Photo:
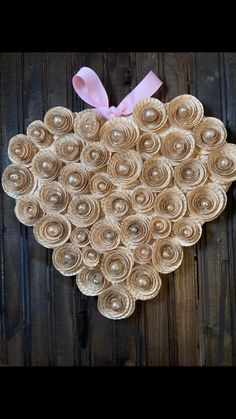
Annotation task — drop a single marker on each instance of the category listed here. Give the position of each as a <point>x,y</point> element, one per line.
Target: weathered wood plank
<point>125,331</point>
<point>152,315</point>
<point>33,109</point>
<point>12,231</point>
<point>212,250</point>
<point>62,286</point>
<point>229,106</point>
<point>101,329</point>
<point>182,297</point>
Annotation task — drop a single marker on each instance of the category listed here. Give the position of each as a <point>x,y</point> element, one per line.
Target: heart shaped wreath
<point>117,192</point>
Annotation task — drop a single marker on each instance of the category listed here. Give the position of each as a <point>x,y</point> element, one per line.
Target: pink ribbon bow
<point>90,88</point>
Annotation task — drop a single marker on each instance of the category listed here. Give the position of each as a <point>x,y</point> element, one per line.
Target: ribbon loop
<point>89,87</point>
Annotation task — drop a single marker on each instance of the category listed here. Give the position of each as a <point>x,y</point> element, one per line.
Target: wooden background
<point>44,319</point>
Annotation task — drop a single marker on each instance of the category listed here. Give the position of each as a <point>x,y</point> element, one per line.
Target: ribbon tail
<point>146,88</point>
<point>89,87</point>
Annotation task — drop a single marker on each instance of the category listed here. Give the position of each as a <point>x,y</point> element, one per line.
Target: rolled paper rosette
<point>83,210</point>
<point>53,197</point>
<point>222,163</point>
<point>80,236</point>
<point>177,145</point>
<point>144,283</point>
<point>124,167</point>
<point>185,111</point>
<point>190,174</point>
<point>156,173</point>
<point>143,253</point>
<point>38,133</point>
<point>160,227</point>
<point>91,281</point>
<point>210,134</point>
<point>27,210</point>
<point>104,235</point>
<point>167,255</point>
<point>206,202</point>
<point>117,264</point>
<point>134,230</point>
<point>21,150</point>
<point>94,156</point>
<point>87,124</point>
<point>116,205</point>
<point>52,230</point>
<point>119,134</point>
<point>150,114</point>
<point>142,199</point>
<point>74,177</point>
<point>68,147</point>
<point>90,256</point>
<point>67,259</point>
<point>45,165</point>
<point>171,204</point>
<point>59,120</point>
<point>149,143</point>
<point>100,185</point>
<point>187,230</point>
<point>116,303</point>
<point>18,180</point>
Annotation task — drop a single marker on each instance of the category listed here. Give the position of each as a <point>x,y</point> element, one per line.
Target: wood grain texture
<point>44,319</point>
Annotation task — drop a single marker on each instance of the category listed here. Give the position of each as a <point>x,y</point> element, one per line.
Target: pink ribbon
<point>89,87</point>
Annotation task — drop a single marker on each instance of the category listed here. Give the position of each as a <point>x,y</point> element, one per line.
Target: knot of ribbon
<point>89,87</point>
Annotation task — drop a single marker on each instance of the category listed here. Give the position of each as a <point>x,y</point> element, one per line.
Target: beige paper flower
<point>68,147</point>
<point>167,255</point>
<point>45,165</point>
<point>94,156</point>
<point>116,205</point>
<point>83,210</point>
<point>52,230</point>
<point>144,283</point>
<point>222,163</point>
<point>100,185</point>
<point>160,227</point>
<point>116,303</point>
<point>124,168</point>
<point>80,236</point>
<point>21,150</point>
<point>206,202</point>
<point>90,257</point>
<point>87,124</point>
<point>135,230</point>
<point>177,145</point>
<point>59,120</point>
<point>38,133</point>
<point>27,210</point>
<point>17,180</point>
<point>185,111</point>
<point>142,199</point>
<point>143,253</point>
<point>104,235</point>
<point>171,204</point>
<point>190,174</point>
<point>91,281</point>
<point>187,230</point>
<point>210,134</point>
<point>150,114</point>
<point>156,173</point>
<point>117,264</point>
<point>67,259</point>
<point>53,197</point>
<point>119,134</point>
<point>149,143</point>
<point>74,177</point>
